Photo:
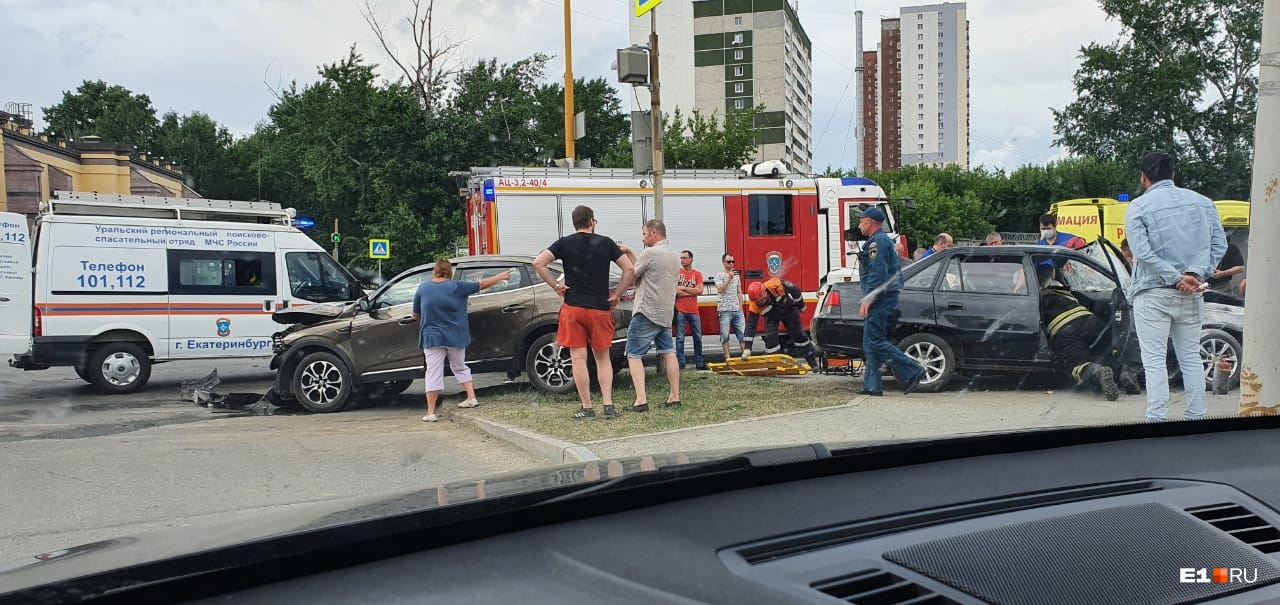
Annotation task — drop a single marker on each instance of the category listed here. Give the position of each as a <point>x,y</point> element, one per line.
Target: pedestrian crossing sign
<point>380,249</point>
<point>644,6</point>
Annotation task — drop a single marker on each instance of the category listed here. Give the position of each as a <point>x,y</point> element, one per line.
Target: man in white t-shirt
<point>729,308</point>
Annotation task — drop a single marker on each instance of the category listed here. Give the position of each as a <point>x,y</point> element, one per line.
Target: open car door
<point>1124,338</point>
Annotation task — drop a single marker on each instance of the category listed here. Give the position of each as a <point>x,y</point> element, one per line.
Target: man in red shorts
<point>586,317</point>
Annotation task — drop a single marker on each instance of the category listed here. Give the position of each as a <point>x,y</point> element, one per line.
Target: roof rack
<point>142,206</point>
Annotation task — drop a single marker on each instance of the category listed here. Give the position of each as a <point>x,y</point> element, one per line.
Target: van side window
<point>315,277</point>
<point>221,272</point>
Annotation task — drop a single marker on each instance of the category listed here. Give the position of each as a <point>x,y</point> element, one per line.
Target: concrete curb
<point>556,451</point>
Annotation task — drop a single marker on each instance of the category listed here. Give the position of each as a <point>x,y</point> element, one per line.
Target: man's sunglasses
<point>730,262</point>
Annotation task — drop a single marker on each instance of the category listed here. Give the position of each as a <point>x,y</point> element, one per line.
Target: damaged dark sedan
<point>976,309</point>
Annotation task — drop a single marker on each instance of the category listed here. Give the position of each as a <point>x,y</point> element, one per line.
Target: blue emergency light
<point>1124,197</point>
<point>304,223</point>
<point>488,190</point>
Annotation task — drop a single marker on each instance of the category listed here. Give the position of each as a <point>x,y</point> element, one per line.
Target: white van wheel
<point>119,367</point>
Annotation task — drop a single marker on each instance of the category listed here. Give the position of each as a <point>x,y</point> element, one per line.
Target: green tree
<point>106,110</point>
<point>367,154</point>
<point>606,125</point>
<point>937,211</point>
<point>201,146</point>
<point>1182,79</point>
<point>492,113</point>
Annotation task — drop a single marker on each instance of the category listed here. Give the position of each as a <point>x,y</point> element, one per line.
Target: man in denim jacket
<point>1167,228</point>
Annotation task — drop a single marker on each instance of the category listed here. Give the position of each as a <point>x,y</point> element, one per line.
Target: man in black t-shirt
<point>1232,264</point>
<point>586,317</point>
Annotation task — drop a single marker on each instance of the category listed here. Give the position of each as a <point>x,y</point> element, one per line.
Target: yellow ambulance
<point>1089,218</point>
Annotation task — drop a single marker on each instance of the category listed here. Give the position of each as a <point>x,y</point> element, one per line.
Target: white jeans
<point>435,366</point>
<point>1159,315</point>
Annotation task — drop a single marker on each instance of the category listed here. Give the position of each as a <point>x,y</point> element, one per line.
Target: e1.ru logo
<point>1217,575</point>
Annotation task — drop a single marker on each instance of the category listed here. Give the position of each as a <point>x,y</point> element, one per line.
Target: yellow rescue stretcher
<point>761,365</point>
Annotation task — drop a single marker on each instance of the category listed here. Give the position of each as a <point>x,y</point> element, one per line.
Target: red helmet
<point>755,291</point>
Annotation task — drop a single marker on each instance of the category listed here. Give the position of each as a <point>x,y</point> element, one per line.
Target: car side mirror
<point>909,203</point>
<point>363,303</point>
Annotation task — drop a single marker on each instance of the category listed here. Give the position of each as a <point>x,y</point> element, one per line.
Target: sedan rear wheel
<point>935,355</point>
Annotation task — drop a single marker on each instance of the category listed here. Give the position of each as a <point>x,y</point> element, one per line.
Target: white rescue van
<point>118,283</point>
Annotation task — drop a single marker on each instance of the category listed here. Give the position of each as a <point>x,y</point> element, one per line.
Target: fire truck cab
<point>798,228</point>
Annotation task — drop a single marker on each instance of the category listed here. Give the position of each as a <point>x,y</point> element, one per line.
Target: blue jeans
<point>1162,314</point>
<point>732,323</point>
<point>641,333</point>
<point>695,329</point>
<point>878,350</point>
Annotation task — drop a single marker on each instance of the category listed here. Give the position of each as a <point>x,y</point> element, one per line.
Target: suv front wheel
<point>548,365</point>
<point>322,383</point>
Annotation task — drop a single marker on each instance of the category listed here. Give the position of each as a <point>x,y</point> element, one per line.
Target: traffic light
<point>337,238</point>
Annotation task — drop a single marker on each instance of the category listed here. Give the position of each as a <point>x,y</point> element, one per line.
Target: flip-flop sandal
<point>672,404</point>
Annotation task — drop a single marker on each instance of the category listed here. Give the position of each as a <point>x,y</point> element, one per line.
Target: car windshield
<point>219,223</point>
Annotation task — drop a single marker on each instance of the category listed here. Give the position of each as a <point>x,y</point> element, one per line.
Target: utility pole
<point>1260,368</point>
<point>655,120</point>
<point>568,85</point>
<point>335,239</point>
<point>858,133</point>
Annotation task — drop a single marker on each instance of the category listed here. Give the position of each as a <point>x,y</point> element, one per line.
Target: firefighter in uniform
<point>881,278</point>
<point>1073,327</point>
<point>777,301</point>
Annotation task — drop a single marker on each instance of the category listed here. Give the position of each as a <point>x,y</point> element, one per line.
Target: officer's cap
<point>872,213</point>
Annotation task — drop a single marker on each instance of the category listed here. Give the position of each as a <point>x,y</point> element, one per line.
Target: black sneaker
<point>585,413</point>
<point>871,393</point>
<point>610,411</point>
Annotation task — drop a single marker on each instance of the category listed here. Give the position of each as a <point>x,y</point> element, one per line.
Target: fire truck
<point>799,228</point>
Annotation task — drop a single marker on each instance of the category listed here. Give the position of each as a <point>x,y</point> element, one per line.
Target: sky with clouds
<point>222,56</point>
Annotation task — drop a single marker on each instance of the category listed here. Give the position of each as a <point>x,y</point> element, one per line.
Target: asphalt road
<point>79,467</point>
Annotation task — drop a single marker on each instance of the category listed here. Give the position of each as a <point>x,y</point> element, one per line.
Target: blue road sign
<point>379,249</point>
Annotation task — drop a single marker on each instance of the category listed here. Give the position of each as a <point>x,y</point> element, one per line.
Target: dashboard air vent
<point>1238,522</point>
<point>876,587</point>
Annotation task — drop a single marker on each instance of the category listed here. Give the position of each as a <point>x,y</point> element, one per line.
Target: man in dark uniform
<point>881,278</point>
<point>777,301</point>
<point>1073,325</point>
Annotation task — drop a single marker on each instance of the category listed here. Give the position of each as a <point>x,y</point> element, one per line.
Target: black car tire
<point>548,365</point>
<point>321,383</point>
<point>1213,342</point>
<point>129,371</point>
<point>936,354</point>
<point>83,373</point>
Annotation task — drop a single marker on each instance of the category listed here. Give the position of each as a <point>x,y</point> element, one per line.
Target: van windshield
<point>315,277</point>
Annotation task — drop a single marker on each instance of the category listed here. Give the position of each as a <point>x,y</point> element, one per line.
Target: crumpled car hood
<point>311,314</point>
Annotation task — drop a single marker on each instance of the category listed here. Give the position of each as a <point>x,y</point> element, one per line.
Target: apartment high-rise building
<point>922,112</point>
<point>718,56</point>
<point>870,96</point>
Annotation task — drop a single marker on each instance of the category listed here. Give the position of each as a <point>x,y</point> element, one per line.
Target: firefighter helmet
<point>755,291</point>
